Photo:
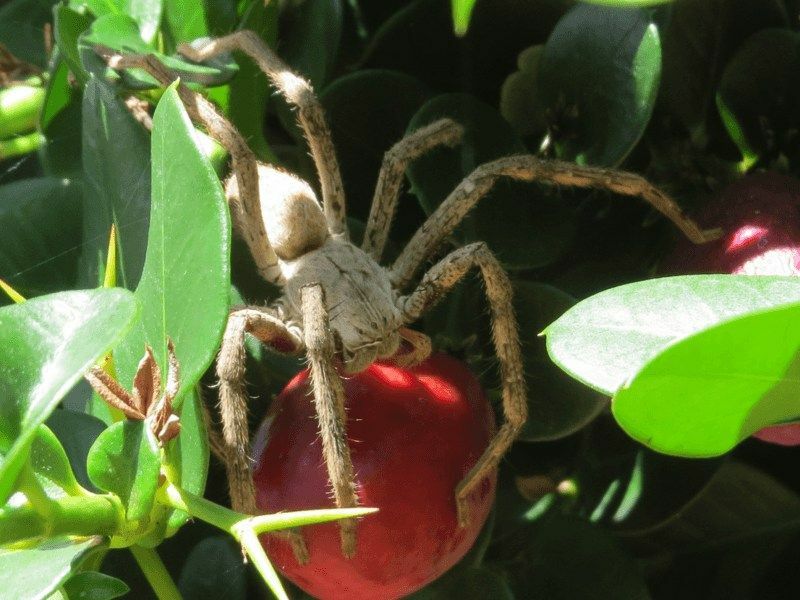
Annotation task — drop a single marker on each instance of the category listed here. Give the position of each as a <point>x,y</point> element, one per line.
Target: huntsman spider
<point>339,306</point>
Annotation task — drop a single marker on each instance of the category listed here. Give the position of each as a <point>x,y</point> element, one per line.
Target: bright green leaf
<point>706,393</point>
<point>189,454</point>
<point>598,78</point>
<point>121,33</point>
<point>462,12</point>
<point>125,460</point>
<point>184,287</point>
<point>91,585</point>
<point>77,432</point>
<point>49,342</point>
<point>34,573</point>
<point>51,465</point>
<point>604,340</point>
<point>67,28</point>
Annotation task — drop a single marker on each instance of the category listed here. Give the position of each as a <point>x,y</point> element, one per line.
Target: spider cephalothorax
<point>339,306</point>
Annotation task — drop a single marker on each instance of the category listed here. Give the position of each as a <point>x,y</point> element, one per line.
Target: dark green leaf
<point>519,101</point>
<point>598,78</point>
<point>77,432</point>
<point>125,460</point>
<point>60,123</point>
<point>704,394</point>
<point>557,404</point>
<point>473,583</point>
<point>567,558</point>
<point>524,226</point>
<point>627,3</point>
<point>200,576</point>
<point>37,572</point>
<point>604,340</point>
<point>40,220</point>
<point>91,585</point>
<point>116,165</point>
<point>184,287</point>
<point>120,33</point>
<point>49,342</point>
<point>51,465</point>
<point>248,91</point>
<point>760,87</point>
<point>310,38</point>
<point>368,112</point>
<point>67,27</point>
<point>22,28</point>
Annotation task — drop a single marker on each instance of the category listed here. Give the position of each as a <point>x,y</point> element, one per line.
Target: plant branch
<point>156,573</point>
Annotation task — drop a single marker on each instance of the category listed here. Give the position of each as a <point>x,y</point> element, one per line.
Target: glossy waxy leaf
<point>189,454</point>
<point>557,404</point>
<point>41,223</point>
<point>522,223</point>
<point>120,33</point>
<point>34,573</point>
<point>184,286</point>
<point>606,339</point>
<point>77,432</point>
<point>125,460</point>
<point>706,393</point>
<point>598,78</point>
<point>91,585</point>
<point>51,465</point>
<point>49,342</point>
<point>116,167</point>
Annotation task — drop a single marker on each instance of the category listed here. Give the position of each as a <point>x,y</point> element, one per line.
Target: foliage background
<point>690,93</point>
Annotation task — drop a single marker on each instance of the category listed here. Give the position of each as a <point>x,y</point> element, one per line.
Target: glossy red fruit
<point>760,215</point>
<point>413,435</point>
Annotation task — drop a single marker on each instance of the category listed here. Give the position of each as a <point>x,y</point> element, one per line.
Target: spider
<point>339,306</point>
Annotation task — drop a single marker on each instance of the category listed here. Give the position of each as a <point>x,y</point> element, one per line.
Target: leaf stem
<point>156,573</point>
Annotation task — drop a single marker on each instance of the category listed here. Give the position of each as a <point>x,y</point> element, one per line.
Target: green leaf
<point>67,28</point>
<point>248,91</point>
<point>40,221</point>
<point>146,13</point>
<point>91,585</point>
<point>310,39</point>
<point>473,583</point>
<point>116,164</point>
<point>51,465</point>
<point>462,12</point>
<point>605,340</point>
<point>706,393</point>
<point>599,78</point>
<point>185,20</point>
<point>121,33</point>
<point>125,460</point>
<point>184,287</point>
<point>557,404</point>
<point>189,454</point>
<point>574,559</point>
<point>49,342</point>
<point>627,3</point>
<point>77,432</point>
<point>355,104</point>
<point>21,25</point>
<point>519,99</point>
<point>760,91</point>
<point>34,573</point>
<point>60,123</point>
<point>524,226</point>
<point>200,574</point>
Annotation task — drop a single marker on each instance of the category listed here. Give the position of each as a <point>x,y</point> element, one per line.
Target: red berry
<point>413,433</point>
<point>760,215</point>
